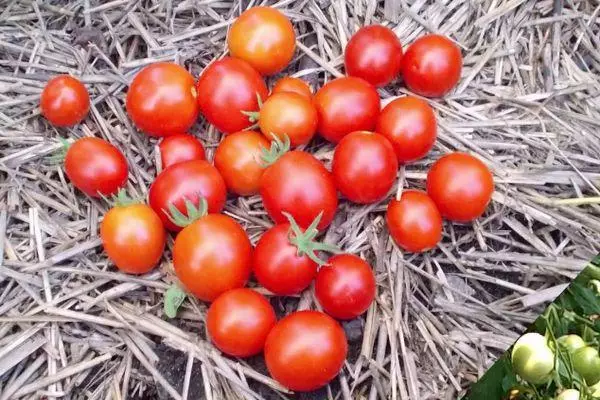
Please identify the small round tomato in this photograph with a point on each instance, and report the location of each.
(532, 358)
(461, 186)
(295, 85)
(305, 350)
(64, 101)
(238, 322)
(346, 105)
(290, 114)
(179, 148)
(586, 361)
(374, 53)
(212, 255)
(238, 159)
(409, 124)
(364, 167)
(95, 167)
(431, 66)
(263, 37)
(225, 89)
(161, 100)
(414, 221)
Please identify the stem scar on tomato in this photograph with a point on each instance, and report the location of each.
(305, 240)
(193, 212)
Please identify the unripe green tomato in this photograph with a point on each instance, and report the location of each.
(532, 358)
(586, 361)
(569, 394)
(571, 343)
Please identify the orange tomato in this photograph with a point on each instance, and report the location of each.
(290, 114)
(291, 84)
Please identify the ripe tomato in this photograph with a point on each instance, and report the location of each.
(64, 101)
(179, 148)
(409, 124)
(238, 159)
(364, 167)
(295, 85)
(346, 105)
(305, 350)
(414, 221)
(345, 287)
(431, 66)
(374, 53)
(238, 322)
(95, 167)
(161, 100)
(212, 256)
(461, 186)
(290, 114)
(225, 89)
(187, 180)
(263, 37)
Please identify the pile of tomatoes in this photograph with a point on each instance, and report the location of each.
(262, 152)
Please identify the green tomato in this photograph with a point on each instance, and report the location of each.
(569, 394)
(586, 361)
(571, 343)
(532, 358)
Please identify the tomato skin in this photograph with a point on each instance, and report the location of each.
(295, 85)
(133, 237)
(212, 256)
(305, 350)
(179, 148)
(409, 124)
(64, 101)
(364, 167)
(290, 114)
(159, 92)
(461, 186)
(414, 221)
(263, 37)
(346, 105)
(586, 361)
(238, 322)
(345, 287)
(374, 53)
(432, 65)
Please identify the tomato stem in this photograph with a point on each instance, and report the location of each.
(61, 153)
(278, 148)
(304, 240)
(193, 212)
(254, 116)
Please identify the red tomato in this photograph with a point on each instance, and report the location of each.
(305, 350)
(212, 256)
(95, 167)
(179, 148)
(225, 89)
(345, 287)
(238, 322)
(295, 85)
(263, 37)
(346, 105)
(161, 100)
(290, 114)
(364, 167)
(414, 221)
(431, 66)
(64, 101)
(374, 53)
(409, 124)
(461, 186)
(187, 180)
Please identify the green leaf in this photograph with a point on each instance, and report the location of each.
(174, 297)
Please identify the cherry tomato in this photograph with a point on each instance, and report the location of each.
(431, 66)
(161, 100)
(225, 89)
(238, 159)
(461, 186)
(586, 361)
(290, 114)
(179, 148)
(409, 124)
(239, 321)
(64, 101)
(295, 85)
(346, 105)
(364, 167)
(263, 37)
(212, 256)
(95, 167)
(305, 350)
(374, 53)
(414, 221)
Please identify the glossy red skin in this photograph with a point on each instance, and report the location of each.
(299, 184)
(295, 85)
(346, 105)
(238, 322)
(305, 350)
(96, 167)
(179, 148)
(364, 167)
(277, 266)
(225, 89)
(431, 66)
(461, 186)
(191, 180)
(374, 53)
(409, 124)
(414, 221)
(161, 100)
(64, 101)
(290, 114)
(345, 287)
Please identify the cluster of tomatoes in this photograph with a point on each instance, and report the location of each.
(260, 154)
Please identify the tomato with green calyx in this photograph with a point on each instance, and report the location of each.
(571, 343)
(586, 361)
(64, 101)
(179, 148)
(294, 85)
(532, 358)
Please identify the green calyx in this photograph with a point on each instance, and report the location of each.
(277, 149)
(193, 212)
(305, 240)
(61, 153)
(121, 199)
(254, 116)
